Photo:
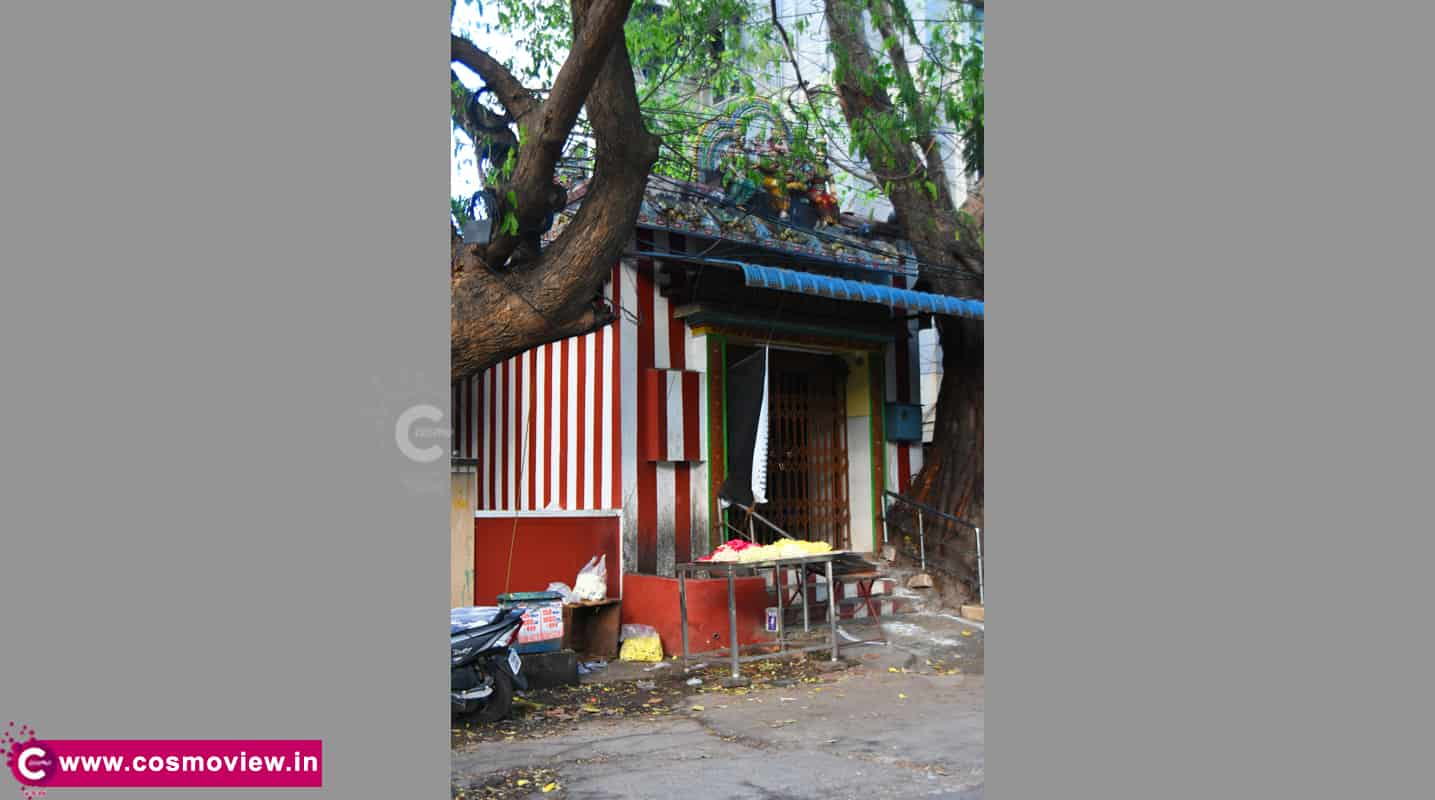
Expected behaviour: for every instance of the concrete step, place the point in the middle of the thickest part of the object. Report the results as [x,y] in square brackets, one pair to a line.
[886,607]
[850,609]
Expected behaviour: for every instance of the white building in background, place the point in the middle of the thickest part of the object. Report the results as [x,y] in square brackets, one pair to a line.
[929,349]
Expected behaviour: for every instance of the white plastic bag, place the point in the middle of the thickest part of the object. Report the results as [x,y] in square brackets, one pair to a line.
[592,582]
[634,630]
[565,590]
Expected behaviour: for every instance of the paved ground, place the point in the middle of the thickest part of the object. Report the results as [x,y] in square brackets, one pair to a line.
[905,720]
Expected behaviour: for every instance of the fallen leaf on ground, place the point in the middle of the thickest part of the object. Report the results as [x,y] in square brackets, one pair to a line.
[698,708]
[522,781]
[549,787]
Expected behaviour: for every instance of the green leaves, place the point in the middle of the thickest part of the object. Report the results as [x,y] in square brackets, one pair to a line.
[509,224]
[505,171]
[458,208]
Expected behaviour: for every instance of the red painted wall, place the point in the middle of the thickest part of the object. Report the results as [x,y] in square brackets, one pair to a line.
[545,550]
[653,600]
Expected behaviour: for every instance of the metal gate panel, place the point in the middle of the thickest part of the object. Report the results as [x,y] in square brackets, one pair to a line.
[807,455]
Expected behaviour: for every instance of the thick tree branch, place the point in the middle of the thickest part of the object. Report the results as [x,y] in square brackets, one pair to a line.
[597,28]
[516,98]
[597,24]
[497,315]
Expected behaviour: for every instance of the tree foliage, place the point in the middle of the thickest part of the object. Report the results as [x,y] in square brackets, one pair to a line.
[694,58]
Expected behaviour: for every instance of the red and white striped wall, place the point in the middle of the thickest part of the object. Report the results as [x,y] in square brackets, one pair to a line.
[544,426]
[666,520]
[614,420]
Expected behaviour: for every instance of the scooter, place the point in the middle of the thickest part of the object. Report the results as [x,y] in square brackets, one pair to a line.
[484,668]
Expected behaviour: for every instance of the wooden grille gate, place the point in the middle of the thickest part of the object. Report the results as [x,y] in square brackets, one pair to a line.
[807,449]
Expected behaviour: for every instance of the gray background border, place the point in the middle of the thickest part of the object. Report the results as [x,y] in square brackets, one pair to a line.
[223,277]
[1209,399]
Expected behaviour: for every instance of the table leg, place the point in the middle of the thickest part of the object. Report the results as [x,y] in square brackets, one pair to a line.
[831,610]
[732,623]
[802,587]
[781,617]
[683,611]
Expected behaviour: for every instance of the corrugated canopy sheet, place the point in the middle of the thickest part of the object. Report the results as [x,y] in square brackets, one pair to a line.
[786,280]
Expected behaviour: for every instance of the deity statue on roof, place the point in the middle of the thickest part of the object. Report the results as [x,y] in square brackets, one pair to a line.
[735,181]
[823,200]
[770,164]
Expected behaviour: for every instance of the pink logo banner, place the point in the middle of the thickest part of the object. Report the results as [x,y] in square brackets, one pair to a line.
[165,763]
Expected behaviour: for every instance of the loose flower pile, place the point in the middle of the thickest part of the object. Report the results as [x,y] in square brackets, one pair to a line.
[745,552]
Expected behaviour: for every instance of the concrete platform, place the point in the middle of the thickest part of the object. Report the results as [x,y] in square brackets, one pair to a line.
[547,670]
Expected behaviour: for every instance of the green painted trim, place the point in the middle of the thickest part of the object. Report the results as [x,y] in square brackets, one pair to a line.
[722,340]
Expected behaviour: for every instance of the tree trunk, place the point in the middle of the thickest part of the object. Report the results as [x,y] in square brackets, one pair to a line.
[949,245]
[951,475]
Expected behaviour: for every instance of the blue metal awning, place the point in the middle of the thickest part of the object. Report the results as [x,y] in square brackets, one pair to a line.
[786,280]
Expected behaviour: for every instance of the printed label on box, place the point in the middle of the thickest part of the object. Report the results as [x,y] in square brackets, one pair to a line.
[541,623]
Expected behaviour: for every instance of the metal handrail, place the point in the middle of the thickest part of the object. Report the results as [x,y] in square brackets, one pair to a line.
[752,513]
[923,508]
[926,508]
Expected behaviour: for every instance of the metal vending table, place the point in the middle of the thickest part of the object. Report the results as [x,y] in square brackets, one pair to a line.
[731,568]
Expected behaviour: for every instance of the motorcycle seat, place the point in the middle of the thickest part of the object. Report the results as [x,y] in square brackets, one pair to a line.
[483,623]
